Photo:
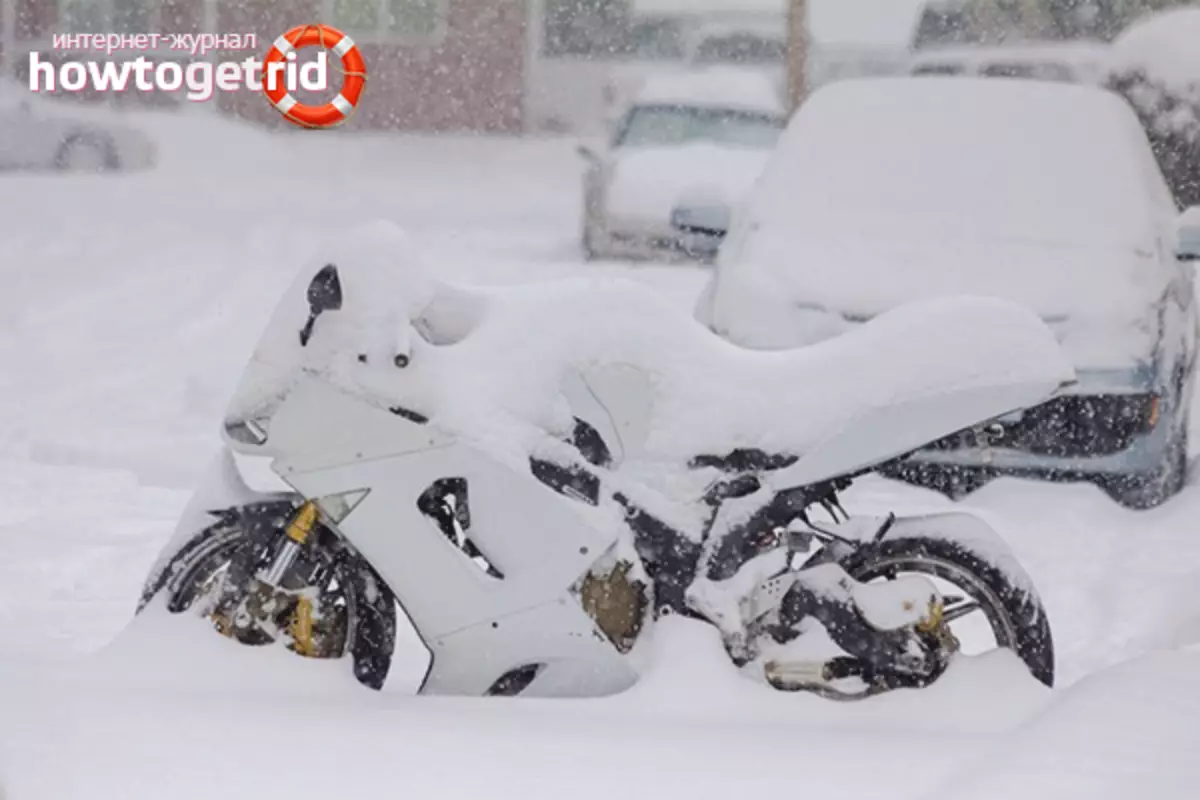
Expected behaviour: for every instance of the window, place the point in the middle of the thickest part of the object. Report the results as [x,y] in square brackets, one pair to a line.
[742,48]
[401,19]
[585,28]
[1045,71]
[106,16]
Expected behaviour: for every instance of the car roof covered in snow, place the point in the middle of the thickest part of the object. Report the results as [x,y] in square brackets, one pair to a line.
[1166,45]
[714,87]
[885,187]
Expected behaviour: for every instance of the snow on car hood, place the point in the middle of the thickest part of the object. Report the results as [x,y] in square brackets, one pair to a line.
[1099,301]
[647,183]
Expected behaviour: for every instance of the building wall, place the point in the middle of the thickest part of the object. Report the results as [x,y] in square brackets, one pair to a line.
[469,78]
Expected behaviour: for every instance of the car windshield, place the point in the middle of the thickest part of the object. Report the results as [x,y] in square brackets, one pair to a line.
[660,125]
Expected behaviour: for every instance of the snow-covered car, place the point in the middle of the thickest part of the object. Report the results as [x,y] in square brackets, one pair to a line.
[38,133]
[1163,45]
[697,140]
[1043,193]
[1068,62]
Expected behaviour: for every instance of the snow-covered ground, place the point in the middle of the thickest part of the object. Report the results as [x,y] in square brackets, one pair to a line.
[129,306]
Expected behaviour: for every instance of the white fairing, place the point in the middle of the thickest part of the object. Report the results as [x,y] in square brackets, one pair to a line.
[501,376]
[477,626]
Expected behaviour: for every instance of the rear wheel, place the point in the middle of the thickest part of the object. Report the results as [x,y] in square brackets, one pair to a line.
[983,588]
[328,604]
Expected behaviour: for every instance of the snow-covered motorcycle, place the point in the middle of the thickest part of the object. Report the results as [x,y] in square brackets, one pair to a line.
[534,475]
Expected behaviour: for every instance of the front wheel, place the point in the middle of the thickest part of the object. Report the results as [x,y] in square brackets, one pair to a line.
[320,600]
[984,583]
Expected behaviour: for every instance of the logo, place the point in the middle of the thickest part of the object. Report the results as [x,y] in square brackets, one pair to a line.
[278,75]
[282,55]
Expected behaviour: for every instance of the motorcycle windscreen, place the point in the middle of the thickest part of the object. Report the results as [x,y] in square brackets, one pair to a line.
[272,368]
[355,298]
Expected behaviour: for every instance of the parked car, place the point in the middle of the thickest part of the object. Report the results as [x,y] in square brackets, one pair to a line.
[1068,62]
[1043,193]
[698,140]
[40,133]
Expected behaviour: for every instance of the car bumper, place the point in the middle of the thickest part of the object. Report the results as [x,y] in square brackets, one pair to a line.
[1111,422]
[651,240]
[1094,430]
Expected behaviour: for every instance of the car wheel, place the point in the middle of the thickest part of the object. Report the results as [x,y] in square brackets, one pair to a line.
[589,242]
[87,153]
[1142,491]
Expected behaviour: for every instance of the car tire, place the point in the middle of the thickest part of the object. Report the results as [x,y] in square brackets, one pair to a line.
[102,150]
[1142,491]
[589,244]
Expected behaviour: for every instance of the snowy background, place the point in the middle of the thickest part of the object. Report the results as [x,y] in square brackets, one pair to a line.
[129,306]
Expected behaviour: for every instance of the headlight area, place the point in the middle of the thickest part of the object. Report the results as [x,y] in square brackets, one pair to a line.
[616,594]
[1072,426]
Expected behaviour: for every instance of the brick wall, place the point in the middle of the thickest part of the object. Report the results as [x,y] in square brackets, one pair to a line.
[472,78]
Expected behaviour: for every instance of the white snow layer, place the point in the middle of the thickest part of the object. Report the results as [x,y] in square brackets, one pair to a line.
[514,347]
[131,304]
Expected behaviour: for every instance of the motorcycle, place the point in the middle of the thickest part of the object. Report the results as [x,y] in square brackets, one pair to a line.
[534,502]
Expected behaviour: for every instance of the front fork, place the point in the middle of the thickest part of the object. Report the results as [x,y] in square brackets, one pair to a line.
[298,531]
[256,588]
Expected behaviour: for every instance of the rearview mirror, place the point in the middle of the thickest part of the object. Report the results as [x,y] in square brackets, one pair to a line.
[324,294]
[1187,235]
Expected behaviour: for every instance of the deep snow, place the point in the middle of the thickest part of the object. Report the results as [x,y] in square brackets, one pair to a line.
[131,304]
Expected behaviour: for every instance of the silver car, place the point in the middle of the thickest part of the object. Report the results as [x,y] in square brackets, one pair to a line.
[687,150]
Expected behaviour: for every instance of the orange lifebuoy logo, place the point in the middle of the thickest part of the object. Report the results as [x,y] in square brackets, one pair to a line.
[354,69]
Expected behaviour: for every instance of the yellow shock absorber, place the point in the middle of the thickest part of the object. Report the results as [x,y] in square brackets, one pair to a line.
[933,621]
[302,627]
[301,526]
